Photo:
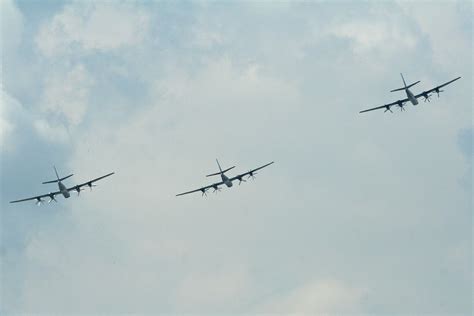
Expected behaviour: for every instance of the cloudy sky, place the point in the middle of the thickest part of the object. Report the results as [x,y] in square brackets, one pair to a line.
[360,214]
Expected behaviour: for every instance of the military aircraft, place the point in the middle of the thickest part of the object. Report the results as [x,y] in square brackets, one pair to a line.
[226,180]
[410,96]
[62,189]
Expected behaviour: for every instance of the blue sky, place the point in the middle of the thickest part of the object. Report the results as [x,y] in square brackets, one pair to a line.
[360,214]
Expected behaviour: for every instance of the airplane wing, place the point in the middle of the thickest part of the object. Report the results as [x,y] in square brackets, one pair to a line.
[387,107]
[250,173]
[204,189]
[88,183]
[38,197]
[51,195]
[426,94]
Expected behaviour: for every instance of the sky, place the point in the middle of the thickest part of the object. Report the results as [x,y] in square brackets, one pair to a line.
[360,214]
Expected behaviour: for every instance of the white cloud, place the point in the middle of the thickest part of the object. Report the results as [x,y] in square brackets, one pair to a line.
[181,102]
[6,127]
[380,32]
[92,26]
[54,133]
[12,28]
[13,117]
[318,297]
[449,37]
[64,103]
[219,290]
[458,258]
[61,108]
[133,143]
[11,36]
[207,35]
[379,35]
[66,94]
[348,193]
[86,27]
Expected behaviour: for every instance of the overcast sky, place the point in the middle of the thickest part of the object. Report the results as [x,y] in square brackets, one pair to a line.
[360,214]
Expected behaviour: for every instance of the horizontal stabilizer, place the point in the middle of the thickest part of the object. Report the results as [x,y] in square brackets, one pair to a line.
[218,173]
[409,86]
[399,89]
[54,181]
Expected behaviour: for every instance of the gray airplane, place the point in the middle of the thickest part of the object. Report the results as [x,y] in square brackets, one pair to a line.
[63,190]
[410,96]
[226,180]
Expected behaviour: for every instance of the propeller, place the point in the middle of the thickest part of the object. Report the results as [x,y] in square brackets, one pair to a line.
[388,109]
[401,105]
[51,198]
[216,188]
[427,97]
[78,189]
[204,192]
[39,201]
[90,185]
[251,175]
[438,91]
[241,180]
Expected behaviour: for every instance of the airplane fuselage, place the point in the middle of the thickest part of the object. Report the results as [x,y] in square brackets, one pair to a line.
[63,190]
[226,180]
[411,97]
